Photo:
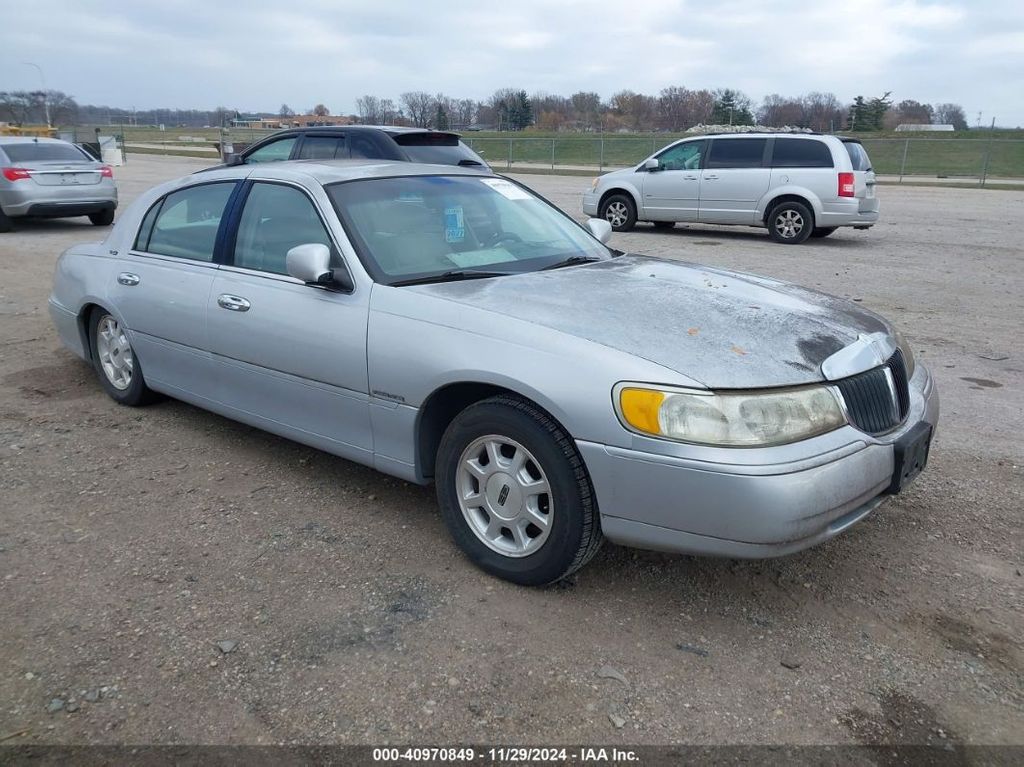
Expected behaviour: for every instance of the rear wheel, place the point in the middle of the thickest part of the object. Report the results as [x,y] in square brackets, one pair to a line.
[102,218]
[663,224]
[619,210]
[790,222]
[515,494]
[823,231]
[5,222]
[114,361]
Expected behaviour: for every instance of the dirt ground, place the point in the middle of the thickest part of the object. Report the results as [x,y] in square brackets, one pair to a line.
[132,541]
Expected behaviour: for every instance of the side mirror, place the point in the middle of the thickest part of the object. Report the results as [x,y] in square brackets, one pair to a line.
[652,164]
[311,263]
[600,228]
[235,159]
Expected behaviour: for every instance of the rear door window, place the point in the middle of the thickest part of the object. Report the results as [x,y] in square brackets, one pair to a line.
[801,153]
[323,148]
[187,222]
[736,153]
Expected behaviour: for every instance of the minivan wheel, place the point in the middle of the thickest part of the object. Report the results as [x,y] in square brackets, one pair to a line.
[515,494]
[619,210]
[790,222]
[823,231]
[114,361]
[103,217]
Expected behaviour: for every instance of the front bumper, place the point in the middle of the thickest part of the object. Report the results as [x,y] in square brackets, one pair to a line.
[773,507]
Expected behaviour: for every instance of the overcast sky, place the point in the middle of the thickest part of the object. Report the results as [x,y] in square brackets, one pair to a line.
[204,53]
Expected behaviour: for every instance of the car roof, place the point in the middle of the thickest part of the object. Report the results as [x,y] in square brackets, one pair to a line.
[391,129]
[334,171]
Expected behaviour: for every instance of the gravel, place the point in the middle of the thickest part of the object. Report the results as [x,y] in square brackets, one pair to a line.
[133,539]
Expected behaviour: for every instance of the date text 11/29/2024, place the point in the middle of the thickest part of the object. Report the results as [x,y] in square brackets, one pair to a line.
[502,754]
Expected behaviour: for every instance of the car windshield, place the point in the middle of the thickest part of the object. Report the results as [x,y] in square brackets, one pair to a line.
[416,227]
[31,151]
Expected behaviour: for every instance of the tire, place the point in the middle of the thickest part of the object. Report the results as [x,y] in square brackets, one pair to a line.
[664,224]
[790,222]
[619,210]
[506,431]
[114,361]
[823,231]
[5,222]
[103,217]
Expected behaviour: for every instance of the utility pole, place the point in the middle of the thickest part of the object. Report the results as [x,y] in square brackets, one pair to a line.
[46,93]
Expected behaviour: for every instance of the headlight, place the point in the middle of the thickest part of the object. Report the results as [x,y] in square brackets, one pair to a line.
[730,419]
[593,184]
[908,353]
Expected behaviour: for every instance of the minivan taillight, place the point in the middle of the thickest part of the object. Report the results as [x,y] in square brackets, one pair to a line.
[15,174]
[106,172]
[847,186]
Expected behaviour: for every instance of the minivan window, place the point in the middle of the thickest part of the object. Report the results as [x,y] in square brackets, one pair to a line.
[187,224]
[858,155]
[736,153]
[44,152]
[801,153]
[685,156]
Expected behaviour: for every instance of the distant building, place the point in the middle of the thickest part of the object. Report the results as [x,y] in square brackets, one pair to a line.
[292,121]
[904,127]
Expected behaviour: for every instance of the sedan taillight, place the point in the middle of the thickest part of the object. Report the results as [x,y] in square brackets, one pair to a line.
[847,186]
[15,174]
[107,172]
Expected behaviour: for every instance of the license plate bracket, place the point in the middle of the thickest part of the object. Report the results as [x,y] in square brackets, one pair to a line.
[910,456]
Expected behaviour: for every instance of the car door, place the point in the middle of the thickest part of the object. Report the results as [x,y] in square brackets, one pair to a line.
[163,282]
[671,192]
[291,358]
[736,176]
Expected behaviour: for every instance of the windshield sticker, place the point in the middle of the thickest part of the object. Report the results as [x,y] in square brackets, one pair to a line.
[454,224]
[487,257]
[506,188]
[410,197]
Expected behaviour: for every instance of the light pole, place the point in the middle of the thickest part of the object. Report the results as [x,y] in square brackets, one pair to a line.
[46,95]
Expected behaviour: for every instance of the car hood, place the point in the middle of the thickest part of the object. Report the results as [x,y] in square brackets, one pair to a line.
[725,329]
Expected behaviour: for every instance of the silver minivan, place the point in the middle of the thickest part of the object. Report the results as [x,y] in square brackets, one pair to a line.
[796,185]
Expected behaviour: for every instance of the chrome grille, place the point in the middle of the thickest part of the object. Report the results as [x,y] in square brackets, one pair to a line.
[879,399]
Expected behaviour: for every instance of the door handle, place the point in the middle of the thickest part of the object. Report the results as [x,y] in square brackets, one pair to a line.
[711,177]
[127,278]
[233,303]
[690,178]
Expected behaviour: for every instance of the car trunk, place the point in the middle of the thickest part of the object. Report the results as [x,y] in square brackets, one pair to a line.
[62,173]
[54,164]
[863,176]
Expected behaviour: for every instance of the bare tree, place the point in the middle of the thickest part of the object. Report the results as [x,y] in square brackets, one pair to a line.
[285,112]
[24,107]
[418,107]
[586,109]
[950,114]
[637,110]
[321,111]
[465,113]
[821,111]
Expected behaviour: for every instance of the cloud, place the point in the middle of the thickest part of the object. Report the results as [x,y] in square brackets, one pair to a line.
[193,53]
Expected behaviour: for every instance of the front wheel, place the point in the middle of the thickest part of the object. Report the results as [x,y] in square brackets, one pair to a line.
[619,210]
[103,217]
[790,223]
[114,361]
[515,494]
[823,231]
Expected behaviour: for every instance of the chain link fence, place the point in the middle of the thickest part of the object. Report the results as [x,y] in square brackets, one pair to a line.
[971,160]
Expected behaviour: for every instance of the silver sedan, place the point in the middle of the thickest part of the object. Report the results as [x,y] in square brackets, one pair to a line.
[446,325]
[49,178]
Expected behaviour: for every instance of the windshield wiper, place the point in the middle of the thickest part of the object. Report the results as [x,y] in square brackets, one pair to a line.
[466,274]
[571,261]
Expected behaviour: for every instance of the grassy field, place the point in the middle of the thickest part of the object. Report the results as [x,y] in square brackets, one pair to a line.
[960,154]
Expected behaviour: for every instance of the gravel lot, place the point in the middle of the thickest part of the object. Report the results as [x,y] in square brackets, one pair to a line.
[133,541]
